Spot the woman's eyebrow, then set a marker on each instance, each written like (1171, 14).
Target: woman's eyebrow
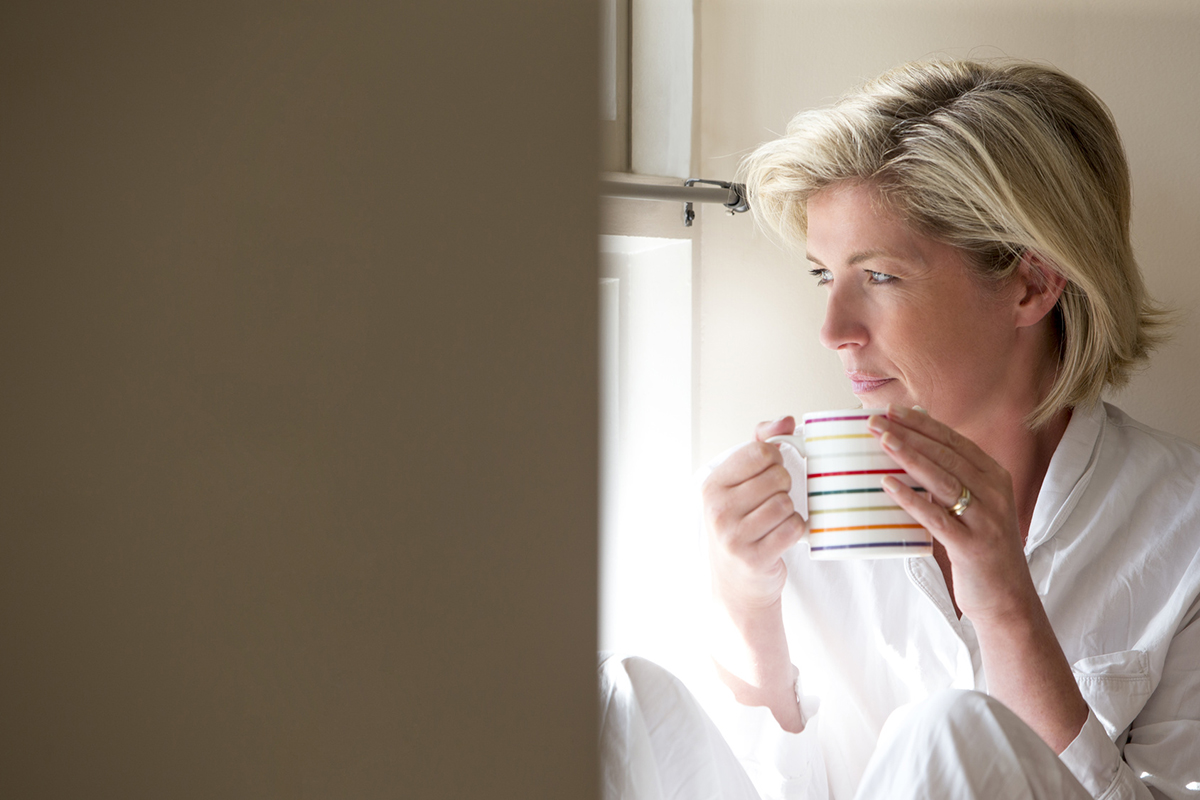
(857, 258)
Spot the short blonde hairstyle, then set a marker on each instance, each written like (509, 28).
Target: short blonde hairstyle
(998, 159)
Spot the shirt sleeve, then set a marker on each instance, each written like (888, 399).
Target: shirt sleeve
(1159, 757)
(1163, 750)
(782, 765)
(1096, 763)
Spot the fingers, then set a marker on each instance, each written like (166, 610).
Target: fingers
(938, 457)
(745, 463)
(732, 508)
(984, 544)
(783, 425)
(929, 515)
(942, 471)
(747, 507)
(945, 463)
(770, 529)
(928, 427)
(750, 460)
(782, 537)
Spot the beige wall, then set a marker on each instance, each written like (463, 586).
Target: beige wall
(297, 400)
(762, 61)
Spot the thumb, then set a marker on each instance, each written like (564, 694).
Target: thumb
(765, 430)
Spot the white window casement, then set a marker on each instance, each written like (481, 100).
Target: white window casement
(646, 86)
(649, 531)
(649, 544)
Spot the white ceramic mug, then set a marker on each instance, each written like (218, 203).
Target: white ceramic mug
(849, 514)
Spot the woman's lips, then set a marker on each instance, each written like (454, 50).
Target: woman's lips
(861, 384)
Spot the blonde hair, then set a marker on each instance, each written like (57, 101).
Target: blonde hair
(998, 159)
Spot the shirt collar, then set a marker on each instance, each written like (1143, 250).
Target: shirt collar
(1070, 470)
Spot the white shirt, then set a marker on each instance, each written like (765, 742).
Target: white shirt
(1114, 551)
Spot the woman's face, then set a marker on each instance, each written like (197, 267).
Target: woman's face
(910, 324)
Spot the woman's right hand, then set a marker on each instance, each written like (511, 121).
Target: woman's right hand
(751, 522)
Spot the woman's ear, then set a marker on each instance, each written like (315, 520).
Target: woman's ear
(1039, 286)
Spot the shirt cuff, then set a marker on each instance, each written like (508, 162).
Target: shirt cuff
(1092, 757)
(781, 765)
(809, 704)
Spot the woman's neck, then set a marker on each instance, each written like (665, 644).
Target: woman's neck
(1024, 453)
(1003, 431)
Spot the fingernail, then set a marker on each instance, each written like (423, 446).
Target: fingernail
(918, 408)
(890, 484)
(890, 442)
(876, 422)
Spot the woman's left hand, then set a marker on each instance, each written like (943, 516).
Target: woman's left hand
(1024, 663)
(990, 575)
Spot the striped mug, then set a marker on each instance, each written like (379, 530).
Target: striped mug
(849, 514)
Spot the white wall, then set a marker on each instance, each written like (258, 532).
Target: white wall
(763, 61)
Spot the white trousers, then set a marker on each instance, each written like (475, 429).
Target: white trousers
(657, 743)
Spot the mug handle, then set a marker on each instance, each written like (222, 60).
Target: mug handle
(792, 439)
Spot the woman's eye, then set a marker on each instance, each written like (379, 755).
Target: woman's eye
(823, 276)
(880, 277)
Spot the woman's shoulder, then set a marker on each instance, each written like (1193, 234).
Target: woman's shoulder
(1145, 446)
(1145, 479)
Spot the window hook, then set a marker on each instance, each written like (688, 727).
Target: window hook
(737, 202)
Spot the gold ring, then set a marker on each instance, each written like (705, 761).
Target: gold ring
(964, 500)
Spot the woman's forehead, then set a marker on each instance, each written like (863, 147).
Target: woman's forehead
(850, 222)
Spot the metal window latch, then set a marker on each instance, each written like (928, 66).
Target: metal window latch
(736, 202)
(731, 195)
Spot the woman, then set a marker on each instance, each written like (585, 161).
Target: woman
(970, 223)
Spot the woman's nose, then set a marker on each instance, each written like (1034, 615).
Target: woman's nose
(844, 323)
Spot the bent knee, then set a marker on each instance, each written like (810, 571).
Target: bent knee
(639, 678)
(945, 709)
(956, 714)
(954, 704)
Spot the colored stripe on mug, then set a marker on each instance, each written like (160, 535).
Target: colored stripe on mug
(923, 545)
(860, 508)
(858, 491)
(836, 419)
(815, 531)
(857, 472)
(838, 436)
